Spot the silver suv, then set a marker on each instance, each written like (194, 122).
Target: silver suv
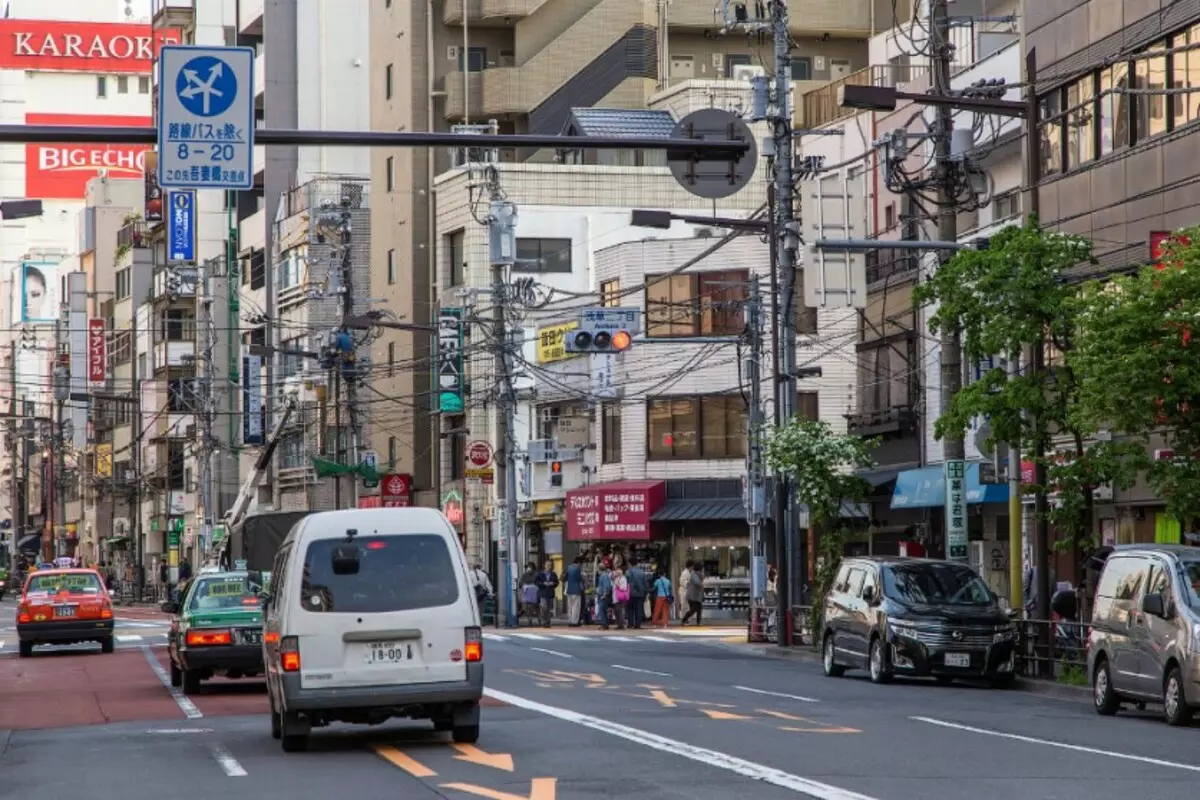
(1144, 643)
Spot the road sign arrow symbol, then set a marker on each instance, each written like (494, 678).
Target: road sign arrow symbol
(473, 755)
(541, 789)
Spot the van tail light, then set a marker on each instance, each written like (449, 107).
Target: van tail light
(289, 654)
(206, 638)
(23, 614)
(474, 645)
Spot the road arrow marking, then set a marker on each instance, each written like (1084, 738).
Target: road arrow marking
(473, 755)
(542, 789)
(404, 761)
(722, 714)
(782, 715)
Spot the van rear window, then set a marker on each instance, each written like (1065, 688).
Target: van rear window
(395, 573)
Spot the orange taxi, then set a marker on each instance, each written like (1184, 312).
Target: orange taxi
(64, 606)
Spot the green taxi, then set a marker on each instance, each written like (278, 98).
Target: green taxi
(216, 628)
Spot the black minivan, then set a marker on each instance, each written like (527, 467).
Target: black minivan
(916, 616)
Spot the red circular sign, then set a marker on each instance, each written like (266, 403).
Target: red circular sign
(395, 485)
(479, 454)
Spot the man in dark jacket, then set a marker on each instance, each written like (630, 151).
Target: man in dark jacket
(638, 589)
(547, 583)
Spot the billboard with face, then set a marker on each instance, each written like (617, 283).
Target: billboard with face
(36, 299)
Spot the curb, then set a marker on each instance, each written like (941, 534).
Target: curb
(1038, 686)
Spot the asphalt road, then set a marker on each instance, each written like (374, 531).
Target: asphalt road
(587, 716)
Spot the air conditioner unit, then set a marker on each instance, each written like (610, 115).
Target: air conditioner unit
(745, 72)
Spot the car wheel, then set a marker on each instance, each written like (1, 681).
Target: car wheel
(1103, 697)
(443, 725)
(291, 742)
(1007, 681)
(107, 645)
(26, 649)
(176, 675)
(191, 681)
(465, 734)
(878, 662)
(832, 668)
(1175, 706)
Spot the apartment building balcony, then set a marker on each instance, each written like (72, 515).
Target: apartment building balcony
(882, 421)
(839, 18)
(819, 107)
(174, 354)
(166, 14)
(488, 13)
(250, 17)
(133, 235)
(171, 425)
(455, 91)
(174, 283)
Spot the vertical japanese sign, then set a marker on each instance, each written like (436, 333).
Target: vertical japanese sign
(449, 363)
(181, 226)
(252, 400)
(97, 352)
(956, 510)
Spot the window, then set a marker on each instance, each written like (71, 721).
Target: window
(736, 60)
(543, 255)
(1005, 206)
(178, 325)
(455, 258)
(801, 68)
(1151, 74)
(1051, 116)
(457, 455)
(709, 304)
(1114, 108)
(101, 86)
(696, 427)
(610, 293)
(870, 582)
(1185, 72)
(808, 405)
(391, 451)
(391, 358)
(391, 173)
(124, 281)
(476, 59)
(1081, 122)
(391, 267)
(175, 465)
(1116, 570)
(143, 84)
(388, 74)
(854, 586)
(181, 395)
(610, 433)
(122, 84)
(395, 573)
(224, 593)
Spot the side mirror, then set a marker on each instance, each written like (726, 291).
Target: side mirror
(264, 599)
(170, 607)
(1153, 604)
(868, 594)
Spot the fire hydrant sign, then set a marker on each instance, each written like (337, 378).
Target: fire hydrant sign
(956, 510)
(206, 117)
(97, 351)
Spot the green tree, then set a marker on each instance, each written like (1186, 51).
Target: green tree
(822, 465)
(1138, 359)
(1003, 299)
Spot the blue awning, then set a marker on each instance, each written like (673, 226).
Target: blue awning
(926, 488)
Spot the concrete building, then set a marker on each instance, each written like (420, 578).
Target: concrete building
(526, 64)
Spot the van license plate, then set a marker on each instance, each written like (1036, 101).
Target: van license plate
(387, 653)
(958, 659)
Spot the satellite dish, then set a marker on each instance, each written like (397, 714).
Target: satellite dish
(713, 178)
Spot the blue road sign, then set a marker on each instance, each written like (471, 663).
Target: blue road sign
(181, 226)
(206, 117)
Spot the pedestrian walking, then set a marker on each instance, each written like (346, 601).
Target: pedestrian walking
(662, 599)
(685, 577)
(185, 570)
(547, 583)
(695, 596)
(574, 581)
(529, 595)
(620, 598)
(481, 584)
(604, 594)
(638, 589)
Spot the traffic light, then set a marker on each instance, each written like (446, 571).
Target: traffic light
(603, 330)
(601, 341)
(556, 473)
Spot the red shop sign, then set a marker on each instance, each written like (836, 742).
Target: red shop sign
(97, 351)
(617, 511)
(64, 46)
(396, 491)
(62, 171)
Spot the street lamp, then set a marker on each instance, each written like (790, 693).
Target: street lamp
(643, 218)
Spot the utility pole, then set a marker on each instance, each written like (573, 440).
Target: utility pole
(347, 264)
(755, 472)
(954, 453)
(208, 403)
(15, 441)
(790, 548)
(58, 449)
(502, 253)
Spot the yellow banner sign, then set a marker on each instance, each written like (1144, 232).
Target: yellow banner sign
(552, 342)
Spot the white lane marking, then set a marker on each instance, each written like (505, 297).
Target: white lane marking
(128, 638)
(534, 636)
(1078, 748)
(657, 639)
(778, 694)
(181, 699)
(574, 637)
(180, 730)
(643, 671)
(708, 632)
(749, 769)
(228, 763)
(620, 638)
(552, 652)
(493, 637)
(1, 644)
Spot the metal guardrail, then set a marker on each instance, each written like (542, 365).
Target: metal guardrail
(1055, 649)
(821, 105)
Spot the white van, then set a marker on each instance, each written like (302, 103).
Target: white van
(371, 616)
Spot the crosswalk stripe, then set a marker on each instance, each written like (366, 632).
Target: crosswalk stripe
(574, 637)
(658, 639)
(129, 639)
(534, 636)
(492, 637)
(620, 638)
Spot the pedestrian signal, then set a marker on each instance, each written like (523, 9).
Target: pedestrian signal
(556, 473)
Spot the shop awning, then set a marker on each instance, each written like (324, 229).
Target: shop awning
(680, 510)
(116, 540)
(926, 488)
(880, 477)
(617, 511)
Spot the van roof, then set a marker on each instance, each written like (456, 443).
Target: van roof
(371, 521)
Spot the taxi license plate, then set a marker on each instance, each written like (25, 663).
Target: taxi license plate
(958, 659)
(251, 637)
(65, 611)
(387, 653)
